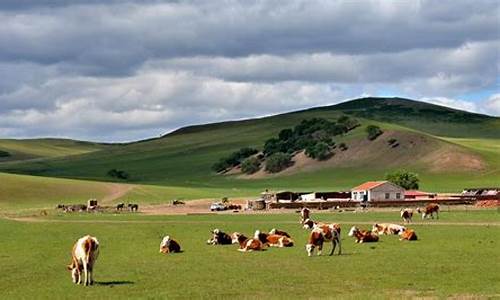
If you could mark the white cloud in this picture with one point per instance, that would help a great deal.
(492, 105)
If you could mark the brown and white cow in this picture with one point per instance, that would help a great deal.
(406, 215)
(304, 214)
(83, 256)
(429, 210)
(219, 238)
(408, 234)
(279, 232)
(363, 236)
(273, 240)
(168, 245)
(387, 228)
(246, 244)
(320, 234)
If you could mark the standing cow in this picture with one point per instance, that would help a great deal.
(83, 256)
(406, 215)
(429, 210)
(322, 233)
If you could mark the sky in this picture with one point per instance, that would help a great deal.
(126, 70)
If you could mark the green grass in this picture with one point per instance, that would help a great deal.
(460, 260)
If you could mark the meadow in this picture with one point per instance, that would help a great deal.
(457, 255)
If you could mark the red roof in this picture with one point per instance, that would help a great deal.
(368, 185)
(416, 193)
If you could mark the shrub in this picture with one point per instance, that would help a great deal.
(4, 153)
(373, 132)
(392, 141)
(120, 174)
(221, 165)
(343, 146)
(250, 165)
(278, 162)
(319, 151)
(406, 180)
(233, 159)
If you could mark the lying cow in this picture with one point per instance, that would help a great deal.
(408, 235)
(169, 245)
(220, 238)
(279, 232)
(387, 228)
(363, 236)
(429, 210)
(320, 234)
(83, 256)
(273, 240)
(246, 244)
(406, 215)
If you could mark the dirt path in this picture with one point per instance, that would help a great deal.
(116, 190)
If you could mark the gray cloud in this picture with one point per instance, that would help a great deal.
(121, 70)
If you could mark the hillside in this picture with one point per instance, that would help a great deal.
(432, 144)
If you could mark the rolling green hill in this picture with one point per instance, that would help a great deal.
(450, 149)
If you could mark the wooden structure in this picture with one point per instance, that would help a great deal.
(377, 191)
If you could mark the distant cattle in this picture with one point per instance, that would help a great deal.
(429, 210)
(279, 232)
(219, 238)
(387, 228)
(168, 245)
(304, 215)
(363, 236)
(408, 234)
(246, 244)
(133, 207)
(75, 207)
(83, 256)
(322, 233)
(120, 206)
(406, 215)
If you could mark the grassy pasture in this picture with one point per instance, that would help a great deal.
(448, 260)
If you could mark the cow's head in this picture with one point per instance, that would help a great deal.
(353, 231)
(235, 237)
(310, 249)
(164, 244)
(308, 224)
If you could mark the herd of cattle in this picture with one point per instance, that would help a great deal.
(86, 249)
(93, 208)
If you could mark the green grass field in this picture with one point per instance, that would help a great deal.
(457, 260)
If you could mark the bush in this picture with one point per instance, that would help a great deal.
(250, 165)
(4, 153)
(120, 174)
(373, 132)
(343, 146)
(392, 141)
(233, 159)
(278, 162)
(319, 151)
(221, 165)
(406, 180)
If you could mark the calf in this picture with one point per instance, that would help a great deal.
(246, 244)
(304, 214)
(363, 236)
(169, 245)
(279, 232)
(219, 238)
(408, 235)
(320, 234)
(429, 210)
(387, 228)
(406, 215)
(83, 256)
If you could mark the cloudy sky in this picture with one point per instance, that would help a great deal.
(125, 70)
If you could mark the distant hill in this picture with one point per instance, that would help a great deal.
(448, 148)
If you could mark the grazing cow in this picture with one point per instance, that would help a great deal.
(304, 215)
(220, 238)
(169, 245)
(273, 240)
(408, 234)
(363, 236)
(83, 256)
(120, 206)
(246, 244)
(279, 232)
(429, 210)
(133, 207)
(406, 215)
(387, 228)
(320, 234)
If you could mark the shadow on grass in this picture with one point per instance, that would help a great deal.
(114, 282)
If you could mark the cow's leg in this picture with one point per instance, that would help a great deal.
(334, 244)
(85, 273)
(340, 245)
(437, 214)
(320, 248)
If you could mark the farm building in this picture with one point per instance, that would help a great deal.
(482, 193)
(326, 196)
(282, 196)
(418, 195)
(377, 191)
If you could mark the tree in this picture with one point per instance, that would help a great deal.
(250, 165)
(405, 179)
(4, 153)
(319, 151)
(120, 174)
(278, 162)
(373, 132)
